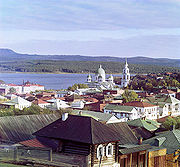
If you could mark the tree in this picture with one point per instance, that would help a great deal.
(12, 90)
(169, 123)
(76, 86)
(129, 96)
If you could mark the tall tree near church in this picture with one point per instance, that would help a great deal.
(129, 96)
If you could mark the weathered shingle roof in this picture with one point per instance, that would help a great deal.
(81, 129)
(19, 128)
(149, 125)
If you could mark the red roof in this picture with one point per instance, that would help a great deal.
(12, 85)
(28, 85)
(32, 143)
(39, 101)
(91, 99)
(139, 104)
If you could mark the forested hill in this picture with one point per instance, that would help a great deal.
(7, 55)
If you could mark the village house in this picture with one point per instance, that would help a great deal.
(167, 92)
(41, 103)
(110, 145)
(124, 113)
(169, 140)
(20, 89)
(168, 105)
(17, 102)
(147, 110)
(57, 104)
(144, 128)
(99, 116)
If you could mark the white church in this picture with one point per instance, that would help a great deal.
(100, 81)
(125, 76)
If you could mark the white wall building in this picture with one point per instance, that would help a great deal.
(20, 89)
(125, 76)
(17, 102)
(144, 109)
(123, 113)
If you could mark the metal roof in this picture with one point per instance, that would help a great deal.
(135, 148)
(149, 125)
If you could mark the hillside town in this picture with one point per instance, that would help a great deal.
(97, 123)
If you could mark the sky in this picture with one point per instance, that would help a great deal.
(119, 28)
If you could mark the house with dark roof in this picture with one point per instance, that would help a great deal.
(101, 144)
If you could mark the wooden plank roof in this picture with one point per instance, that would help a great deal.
(19, 128)
(85, 130)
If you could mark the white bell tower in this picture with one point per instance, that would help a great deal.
(125, 76)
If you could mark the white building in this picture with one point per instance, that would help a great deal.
(17, 102)
(78, 104)
(20, 89)
(100, 81)
(125, 76)
(144, 109)
(41, 103)
(56, 104)
(123, 113)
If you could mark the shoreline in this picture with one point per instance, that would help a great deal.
(14, 72)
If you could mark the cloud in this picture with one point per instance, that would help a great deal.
(71, 15)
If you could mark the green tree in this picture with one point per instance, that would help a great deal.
(12, 90)
(129, 96)
(169, 123)
(76, 86)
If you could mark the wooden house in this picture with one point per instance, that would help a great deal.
(110, 145)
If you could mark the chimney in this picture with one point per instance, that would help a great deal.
(140, 140)
(64, 116)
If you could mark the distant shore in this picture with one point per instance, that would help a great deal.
(51, 73)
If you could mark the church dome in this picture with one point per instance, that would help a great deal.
(101, 71)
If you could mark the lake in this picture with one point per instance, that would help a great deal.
(50, 81)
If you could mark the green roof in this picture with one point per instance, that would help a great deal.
(118, 108)
(135, 148)
(168, 139)
(161, 100)
(118, 98)
(149, 125)
(96, 115)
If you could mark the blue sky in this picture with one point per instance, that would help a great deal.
(122, 28)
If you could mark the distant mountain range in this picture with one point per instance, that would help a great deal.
(10, 55)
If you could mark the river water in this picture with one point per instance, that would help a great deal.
(50, 81)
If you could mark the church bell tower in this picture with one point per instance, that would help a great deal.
(125, 76)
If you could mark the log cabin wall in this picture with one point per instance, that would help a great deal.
(157, 158)
(137, 159)
(76, 148)
(105, 161)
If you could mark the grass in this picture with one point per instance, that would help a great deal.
(10, 165)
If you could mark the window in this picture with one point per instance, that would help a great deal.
(109, 150)
(100, 151)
